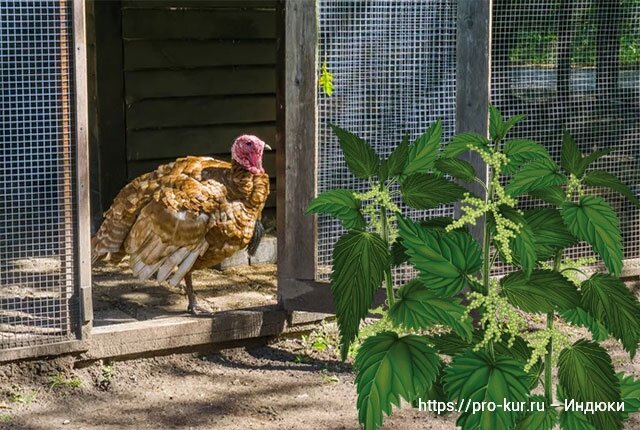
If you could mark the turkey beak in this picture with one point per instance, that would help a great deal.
(267, 147)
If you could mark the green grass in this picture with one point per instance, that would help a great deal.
(329, 378)
(23, 398)
(59, 380)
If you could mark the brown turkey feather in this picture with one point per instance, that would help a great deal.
(189, 214)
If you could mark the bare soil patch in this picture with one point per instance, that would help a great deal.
(291, 383)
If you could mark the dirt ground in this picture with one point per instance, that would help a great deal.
(277, 386)
(120, 297)
(291, 383)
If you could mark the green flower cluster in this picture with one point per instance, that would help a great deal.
(538, 342)
(571, 268)
(474, 207)
(574, 185)
(499, 317)
(374, 199)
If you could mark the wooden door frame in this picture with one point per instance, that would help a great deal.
(297, 135)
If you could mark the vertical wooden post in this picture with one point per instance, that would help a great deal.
(83, 271)
(297, 146)
(66, 227)
(473, 82)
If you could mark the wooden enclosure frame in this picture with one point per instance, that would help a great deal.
(80, 307)
(297, 164)
(296, 161)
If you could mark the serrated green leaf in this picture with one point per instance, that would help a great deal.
(520, 351)
(398, 251)
(553, 195)
(426, 191)
(534, 176)
(523, 245)
(452, 344)
(498, 127)
(550, 233)
(545, 291)
(440, 222)
(586, 375)
(443, 260)
(536, 419)
(436, 392)
(579, 316)
(609, 301)
(572, 419)
(359, 262)
(390, 368)
(593, 221)
(424, 150)
(522, 151)
(496, 123)
(398, 158)
(460, 143)
(586, 161)
(508, 124)
(570, 157)
(418, 308)
(459, 169)
(599, 178)
(361, 158)
(479, 377)
(340, 204)
(630, 393)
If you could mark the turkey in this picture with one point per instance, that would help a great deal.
(187, 215)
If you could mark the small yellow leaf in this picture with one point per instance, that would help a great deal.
(326, 80)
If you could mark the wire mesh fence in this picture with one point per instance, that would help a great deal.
(37, 209)
(574, 64)
(394, 69)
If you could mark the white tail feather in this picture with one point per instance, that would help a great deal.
(187, 263)
(171, 262)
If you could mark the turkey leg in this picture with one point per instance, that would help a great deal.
(194, 308)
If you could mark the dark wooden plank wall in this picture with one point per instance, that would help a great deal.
(197, 74)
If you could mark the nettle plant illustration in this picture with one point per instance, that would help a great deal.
(489, 349)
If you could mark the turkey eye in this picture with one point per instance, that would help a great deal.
(249, 143)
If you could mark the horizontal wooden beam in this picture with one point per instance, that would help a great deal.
(169, 54)
(162, 335)
(198, 24)
(175, 142)
(137, 338)
(198, 4)
(51, 349)
(191, 111)
(199, 82)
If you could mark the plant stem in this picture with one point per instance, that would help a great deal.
(388, 279)
(486, 240)
(548, 363)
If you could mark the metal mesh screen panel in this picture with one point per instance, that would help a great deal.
(37, 210)
(394, 69)
(574, 64)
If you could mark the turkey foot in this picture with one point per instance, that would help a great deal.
(194, 308)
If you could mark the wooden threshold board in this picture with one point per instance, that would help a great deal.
(176, 333)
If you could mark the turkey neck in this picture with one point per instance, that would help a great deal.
(244, 185)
